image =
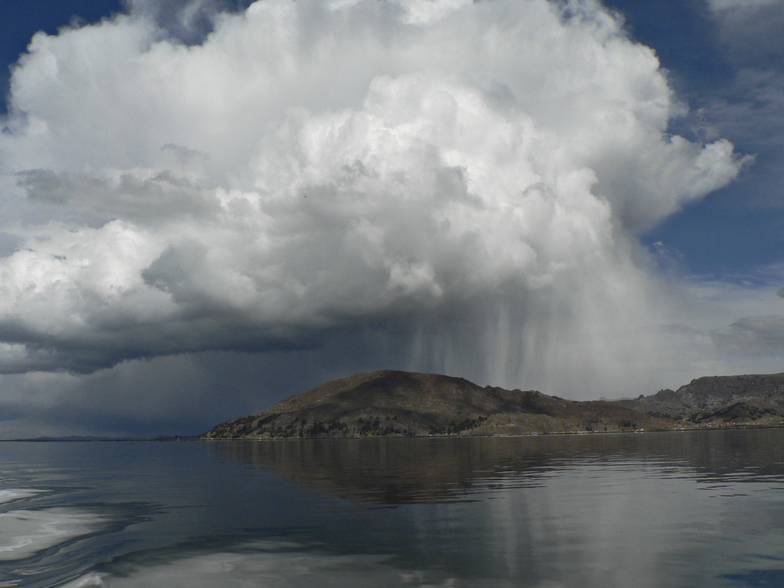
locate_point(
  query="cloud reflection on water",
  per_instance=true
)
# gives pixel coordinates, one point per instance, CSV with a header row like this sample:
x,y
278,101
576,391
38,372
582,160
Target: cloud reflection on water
x,y
671,509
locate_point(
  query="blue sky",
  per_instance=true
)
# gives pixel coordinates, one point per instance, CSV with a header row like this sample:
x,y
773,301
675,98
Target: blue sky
x,y
738,228
194,226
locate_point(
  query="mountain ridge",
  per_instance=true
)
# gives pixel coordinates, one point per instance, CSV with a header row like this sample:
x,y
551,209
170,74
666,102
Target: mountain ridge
x,y
718,400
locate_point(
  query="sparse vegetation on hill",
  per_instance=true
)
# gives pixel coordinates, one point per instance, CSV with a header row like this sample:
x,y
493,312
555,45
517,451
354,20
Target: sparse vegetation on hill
x,y
394,403
718,401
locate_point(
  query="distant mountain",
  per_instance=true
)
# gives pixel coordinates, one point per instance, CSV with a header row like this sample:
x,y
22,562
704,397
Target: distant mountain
x,y
395,403
718,400
95,438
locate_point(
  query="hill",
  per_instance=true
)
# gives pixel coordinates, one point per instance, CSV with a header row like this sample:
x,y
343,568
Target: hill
x,y
718,400
395,403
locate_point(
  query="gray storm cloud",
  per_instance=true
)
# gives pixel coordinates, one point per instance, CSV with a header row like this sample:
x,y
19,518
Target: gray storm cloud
x,y
468,175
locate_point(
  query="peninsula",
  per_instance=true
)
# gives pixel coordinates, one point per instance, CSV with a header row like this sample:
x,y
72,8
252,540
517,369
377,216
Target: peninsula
x,y
396,403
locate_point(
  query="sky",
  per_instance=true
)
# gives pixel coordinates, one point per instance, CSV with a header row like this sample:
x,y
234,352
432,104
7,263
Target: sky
x,y
206,205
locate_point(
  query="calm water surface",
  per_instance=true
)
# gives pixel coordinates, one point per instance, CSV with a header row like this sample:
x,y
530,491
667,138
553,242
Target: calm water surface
x,y
669,509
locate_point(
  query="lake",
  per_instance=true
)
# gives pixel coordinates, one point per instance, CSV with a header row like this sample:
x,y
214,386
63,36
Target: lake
x,y
700,508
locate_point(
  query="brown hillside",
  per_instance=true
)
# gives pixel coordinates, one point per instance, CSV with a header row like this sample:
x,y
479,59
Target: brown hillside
x,y
395,403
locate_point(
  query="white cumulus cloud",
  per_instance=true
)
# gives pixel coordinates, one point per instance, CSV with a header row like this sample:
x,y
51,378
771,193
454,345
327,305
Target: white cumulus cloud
x,y
471,175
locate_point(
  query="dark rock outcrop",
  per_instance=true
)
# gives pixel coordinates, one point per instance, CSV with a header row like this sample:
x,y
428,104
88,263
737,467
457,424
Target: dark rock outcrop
x,y
718,400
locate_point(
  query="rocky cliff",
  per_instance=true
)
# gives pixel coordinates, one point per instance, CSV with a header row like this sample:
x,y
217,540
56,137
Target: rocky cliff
x,y
718,400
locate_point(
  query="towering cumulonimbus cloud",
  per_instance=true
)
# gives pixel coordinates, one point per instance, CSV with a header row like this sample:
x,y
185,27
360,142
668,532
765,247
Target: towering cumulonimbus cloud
x,y
469,176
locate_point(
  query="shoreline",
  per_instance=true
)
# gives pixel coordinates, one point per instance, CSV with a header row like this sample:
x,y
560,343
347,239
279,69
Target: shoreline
x,y
722,427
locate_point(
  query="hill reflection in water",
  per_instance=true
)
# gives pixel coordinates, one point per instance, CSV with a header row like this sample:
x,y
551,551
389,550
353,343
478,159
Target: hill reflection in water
x,y
698,509
391,471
